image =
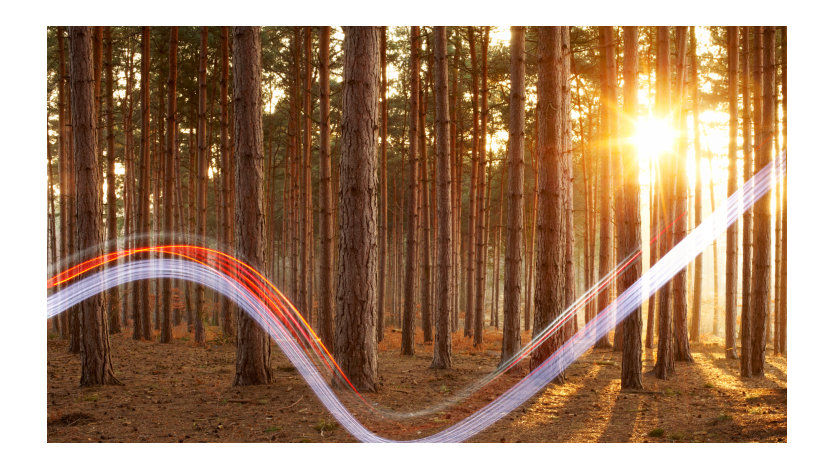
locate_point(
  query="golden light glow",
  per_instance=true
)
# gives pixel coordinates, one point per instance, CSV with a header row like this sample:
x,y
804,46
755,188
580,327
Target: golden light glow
x,y
653,138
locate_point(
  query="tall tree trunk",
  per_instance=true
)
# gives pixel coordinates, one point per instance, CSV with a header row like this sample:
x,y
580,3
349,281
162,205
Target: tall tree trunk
x,y
761,209
748,216
442,340
170,159
456,187
496,249
307,196
697,281
731,283
253,347
383,183
473,183
327,241
141,302
665,364
69,211
129,194
96,368
50,220
679,284
426,309
481,231
783,298
356,287
113,303
607,119
628,215
511,340
202,179
747,235
554,267
65,167
226,173
528,299
410,287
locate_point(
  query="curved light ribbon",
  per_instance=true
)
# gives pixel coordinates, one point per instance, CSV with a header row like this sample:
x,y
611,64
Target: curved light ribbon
x,y
290,341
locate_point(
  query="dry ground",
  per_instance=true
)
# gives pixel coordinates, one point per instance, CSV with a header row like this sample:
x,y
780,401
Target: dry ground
x,y
180,392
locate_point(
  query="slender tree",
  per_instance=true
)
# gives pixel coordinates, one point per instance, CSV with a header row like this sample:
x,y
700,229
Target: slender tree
x,y
783,298
96,368
226,173
409,284
731,283
383,181
682,352
747,235
327,241
170,159
511,340
761,209
665,365
443,294
697,281
356,285
202,178
473,184
113,302
607,130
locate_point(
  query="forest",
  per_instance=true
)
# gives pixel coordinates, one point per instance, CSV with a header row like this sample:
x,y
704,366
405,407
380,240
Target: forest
x,y
442,234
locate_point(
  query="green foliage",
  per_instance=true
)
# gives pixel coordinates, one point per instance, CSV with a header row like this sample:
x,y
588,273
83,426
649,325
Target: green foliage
x,y
325,425
657,432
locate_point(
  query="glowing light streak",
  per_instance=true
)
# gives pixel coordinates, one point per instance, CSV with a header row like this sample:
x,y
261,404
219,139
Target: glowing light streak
x,y
254,304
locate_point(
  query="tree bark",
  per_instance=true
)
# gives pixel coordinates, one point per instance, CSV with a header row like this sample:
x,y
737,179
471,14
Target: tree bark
x,y
409,284
679,283
731,283
443,295
253,347
473,183
761,210
665,364
628,224
226,173
511,340
202,179
607,119
747,234
383,183
170,158
356,287
697,281
96,368
783,298
113,303
554,267
327,241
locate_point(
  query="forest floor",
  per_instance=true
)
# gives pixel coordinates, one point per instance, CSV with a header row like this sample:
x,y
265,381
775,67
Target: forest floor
x,y
181,392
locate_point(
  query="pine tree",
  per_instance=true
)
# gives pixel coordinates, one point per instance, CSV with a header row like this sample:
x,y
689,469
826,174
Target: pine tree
x,y
96,368
732,184
628,216
443,294
253,347
410,281
554,276
325,317
356,285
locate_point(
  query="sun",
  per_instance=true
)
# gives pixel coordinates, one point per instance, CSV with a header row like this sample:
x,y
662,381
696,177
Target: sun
x,y
653,138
